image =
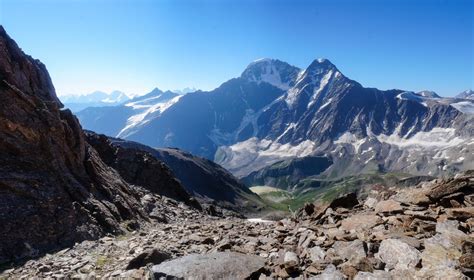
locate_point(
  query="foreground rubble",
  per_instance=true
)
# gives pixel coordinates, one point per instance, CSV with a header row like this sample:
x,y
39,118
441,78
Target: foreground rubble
x,y
423,232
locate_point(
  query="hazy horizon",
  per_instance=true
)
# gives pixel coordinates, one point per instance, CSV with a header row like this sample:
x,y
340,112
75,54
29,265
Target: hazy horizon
x,y
135,46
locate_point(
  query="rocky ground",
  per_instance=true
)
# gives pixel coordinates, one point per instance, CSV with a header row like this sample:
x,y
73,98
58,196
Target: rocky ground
x,y
423,232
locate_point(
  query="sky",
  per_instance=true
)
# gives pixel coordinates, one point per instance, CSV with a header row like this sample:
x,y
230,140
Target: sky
x,y
136,45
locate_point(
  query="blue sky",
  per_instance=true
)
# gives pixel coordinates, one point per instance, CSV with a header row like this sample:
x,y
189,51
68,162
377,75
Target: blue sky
x,y
136,45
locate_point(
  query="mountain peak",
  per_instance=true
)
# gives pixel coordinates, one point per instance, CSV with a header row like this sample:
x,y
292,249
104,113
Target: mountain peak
x,y
322,63
467,94
273,71
428,94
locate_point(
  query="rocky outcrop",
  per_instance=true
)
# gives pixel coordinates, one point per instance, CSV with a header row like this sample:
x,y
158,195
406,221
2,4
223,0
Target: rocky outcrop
x,y
140,168
54,188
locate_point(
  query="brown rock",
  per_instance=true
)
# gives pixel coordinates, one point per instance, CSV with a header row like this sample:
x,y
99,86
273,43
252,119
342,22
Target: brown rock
x,y
450,186
388,206
463,213
360,222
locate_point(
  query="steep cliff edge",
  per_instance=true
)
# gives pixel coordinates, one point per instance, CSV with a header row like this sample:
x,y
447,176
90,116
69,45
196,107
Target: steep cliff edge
x,y
54,188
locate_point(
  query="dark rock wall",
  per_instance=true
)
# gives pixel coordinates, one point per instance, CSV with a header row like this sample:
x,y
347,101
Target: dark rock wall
x,y
54,188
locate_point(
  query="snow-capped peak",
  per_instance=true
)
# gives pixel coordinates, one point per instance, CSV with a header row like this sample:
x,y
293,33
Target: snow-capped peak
x,y
467,94
320,74
321,64
428,94
273,71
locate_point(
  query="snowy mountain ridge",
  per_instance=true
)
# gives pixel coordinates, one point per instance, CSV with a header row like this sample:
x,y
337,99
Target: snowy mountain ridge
x,y
276,111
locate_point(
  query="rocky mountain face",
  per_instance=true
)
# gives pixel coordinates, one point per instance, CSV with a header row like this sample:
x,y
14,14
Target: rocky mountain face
x,y
141,168
418,232
206,181
54,187
59,186
275,111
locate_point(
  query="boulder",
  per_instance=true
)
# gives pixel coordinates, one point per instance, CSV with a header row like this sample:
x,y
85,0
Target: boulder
x,y
220,265
440,251
350,250
398,254
153,256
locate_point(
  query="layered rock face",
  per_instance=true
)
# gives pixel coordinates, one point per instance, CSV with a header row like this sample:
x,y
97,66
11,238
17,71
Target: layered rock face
x,y
54,188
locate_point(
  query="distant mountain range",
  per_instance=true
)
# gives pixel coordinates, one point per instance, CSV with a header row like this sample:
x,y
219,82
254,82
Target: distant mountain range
x,y
94,99
102,99
275,111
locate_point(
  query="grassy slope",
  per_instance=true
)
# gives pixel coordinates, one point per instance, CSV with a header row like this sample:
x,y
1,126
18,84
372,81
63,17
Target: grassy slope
x,y
310,190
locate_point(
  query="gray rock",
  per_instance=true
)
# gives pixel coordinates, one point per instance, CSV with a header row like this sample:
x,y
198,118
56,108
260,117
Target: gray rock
x,y
398,254
316,254
330,273
376,275
220,265
450,230
349,250
440,252
291,258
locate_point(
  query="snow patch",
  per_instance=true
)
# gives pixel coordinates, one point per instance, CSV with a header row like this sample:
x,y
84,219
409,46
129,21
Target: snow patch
x,y
269,74
326,104
253,154
322,84
142,118
349,138
465,107
437,137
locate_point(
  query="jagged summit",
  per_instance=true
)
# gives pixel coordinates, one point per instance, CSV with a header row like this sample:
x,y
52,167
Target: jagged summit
x,y
283,75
